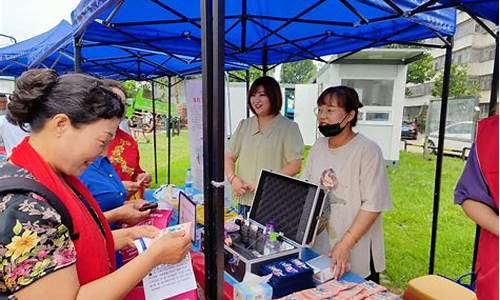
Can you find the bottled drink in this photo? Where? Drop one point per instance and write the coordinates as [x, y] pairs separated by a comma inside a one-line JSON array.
[[188, 185]]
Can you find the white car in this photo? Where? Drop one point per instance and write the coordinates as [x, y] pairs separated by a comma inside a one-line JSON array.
[[458, 138]]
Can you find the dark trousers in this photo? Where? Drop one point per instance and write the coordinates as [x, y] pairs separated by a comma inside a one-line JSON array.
[[374, 276]]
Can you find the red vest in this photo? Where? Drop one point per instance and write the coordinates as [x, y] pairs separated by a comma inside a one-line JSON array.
[[487, 259], [94, 250]]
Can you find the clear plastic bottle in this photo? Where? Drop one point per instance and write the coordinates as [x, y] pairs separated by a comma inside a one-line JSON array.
[[272, 244], [188, 185]]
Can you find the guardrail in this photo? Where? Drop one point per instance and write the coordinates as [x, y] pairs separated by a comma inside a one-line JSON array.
[[462, 153]]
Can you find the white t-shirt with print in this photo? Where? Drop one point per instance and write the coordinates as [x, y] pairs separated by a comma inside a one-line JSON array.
[[11, 134], [359, 179]]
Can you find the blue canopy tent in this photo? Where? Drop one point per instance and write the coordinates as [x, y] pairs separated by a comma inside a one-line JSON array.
[[263, 33], [486, 9], [105, 54], [54, 49], [16, 58]]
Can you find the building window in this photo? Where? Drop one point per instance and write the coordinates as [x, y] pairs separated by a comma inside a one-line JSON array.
[[484, 110], [410, 113], [372, 92], [377, 116]]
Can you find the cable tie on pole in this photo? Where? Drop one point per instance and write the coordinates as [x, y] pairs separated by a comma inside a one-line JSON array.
[[217, 184]]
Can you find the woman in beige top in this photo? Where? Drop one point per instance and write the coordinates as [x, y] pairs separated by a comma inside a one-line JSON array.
[[265, 141], [351, 168]]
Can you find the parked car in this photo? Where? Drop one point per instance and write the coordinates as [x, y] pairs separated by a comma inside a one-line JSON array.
[[458, 138], [409, 131]]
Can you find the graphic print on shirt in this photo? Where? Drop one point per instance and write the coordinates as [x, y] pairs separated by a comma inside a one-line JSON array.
[[117, 158], [330, 183]]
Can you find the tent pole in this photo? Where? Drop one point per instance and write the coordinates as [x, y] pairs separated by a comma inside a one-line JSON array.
[[494, 81], [154, 130], [169, 129], [244, 18], [264, 62], [478, 21], [247, 84], [212, 22], [78, 55], [439, 159]]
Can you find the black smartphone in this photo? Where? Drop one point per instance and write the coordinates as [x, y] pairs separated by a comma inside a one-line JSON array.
[[148, 206]]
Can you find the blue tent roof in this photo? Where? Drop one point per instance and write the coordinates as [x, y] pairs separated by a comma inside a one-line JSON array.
[[486, 9], [287, 30], [112, 59], [116, 60], [15, 59]]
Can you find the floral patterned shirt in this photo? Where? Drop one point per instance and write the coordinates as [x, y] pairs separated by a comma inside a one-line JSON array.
[[33, 241]]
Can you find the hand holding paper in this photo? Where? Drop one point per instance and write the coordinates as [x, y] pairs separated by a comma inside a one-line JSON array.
[[172, 245], [174, 273]]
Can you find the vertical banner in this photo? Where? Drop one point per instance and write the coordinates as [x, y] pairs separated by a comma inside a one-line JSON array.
[[195, 124]]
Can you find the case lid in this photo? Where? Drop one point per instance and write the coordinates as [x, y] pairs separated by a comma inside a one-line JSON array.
[[292, 205]]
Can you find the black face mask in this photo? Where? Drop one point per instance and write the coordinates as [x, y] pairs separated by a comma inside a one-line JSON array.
[[332, 130]]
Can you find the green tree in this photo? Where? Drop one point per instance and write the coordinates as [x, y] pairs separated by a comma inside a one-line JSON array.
[[460, 83], [254, 74], [421, 71], [298, 72], [131, 87]]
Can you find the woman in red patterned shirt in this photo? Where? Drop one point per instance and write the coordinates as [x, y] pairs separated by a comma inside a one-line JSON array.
[[123, 153]]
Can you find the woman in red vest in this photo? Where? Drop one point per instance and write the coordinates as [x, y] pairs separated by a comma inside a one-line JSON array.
[[477, 192], [72, 118]]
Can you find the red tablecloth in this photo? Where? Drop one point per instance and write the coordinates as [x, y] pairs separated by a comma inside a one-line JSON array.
[[199, 272]]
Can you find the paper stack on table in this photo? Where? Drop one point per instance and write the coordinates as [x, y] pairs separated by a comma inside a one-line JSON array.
[[343, 290], [167, 281]]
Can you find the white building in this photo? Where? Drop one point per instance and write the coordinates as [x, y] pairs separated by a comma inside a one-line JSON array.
[[7, 85], [474, 48]]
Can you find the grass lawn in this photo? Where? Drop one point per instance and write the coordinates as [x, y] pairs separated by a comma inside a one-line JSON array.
[[180, 157], [407, 226]]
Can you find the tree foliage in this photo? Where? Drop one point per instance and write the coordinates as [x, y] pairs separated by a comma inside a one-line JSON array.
[[460, 83], [131, 87], [298, 72], [421, 71], [254, 74]]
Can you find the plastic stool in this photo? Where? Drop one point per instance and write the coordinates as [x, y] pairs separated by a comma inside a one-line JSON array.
[[433, 287]]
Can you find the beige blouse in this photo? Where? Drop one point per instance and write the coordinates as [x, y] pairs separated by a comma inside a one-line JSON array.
[[359, 179], [271, 149]]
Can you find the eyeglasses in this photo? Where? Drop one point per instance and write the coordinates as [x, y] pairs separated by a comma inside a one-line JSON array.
[[329, 111]]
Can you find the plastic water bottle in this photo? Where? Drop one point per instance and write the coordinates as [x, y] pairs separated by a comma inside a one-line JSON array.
[[188, 185], [272, 245]]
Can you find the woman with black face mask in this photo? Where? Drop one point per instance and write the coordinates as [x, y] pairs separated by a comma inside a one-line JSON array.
[[352, 170]]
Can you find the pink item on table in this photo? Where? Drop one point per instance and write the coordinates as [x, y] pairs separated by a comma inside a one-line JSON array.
[[349, 294], [334, 287], [369, 288], [158, 218], [383, 296]]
